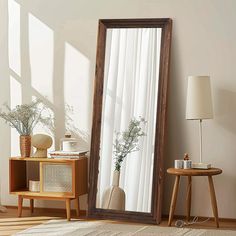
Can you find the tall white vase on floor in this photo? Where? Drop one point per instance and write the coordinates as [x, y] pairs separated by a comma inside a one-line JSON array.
[[114, 196]]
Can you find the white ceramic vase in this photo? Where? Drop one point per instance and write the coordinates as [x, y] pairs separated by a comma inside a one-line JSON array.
[[114, 196], [41, 142]]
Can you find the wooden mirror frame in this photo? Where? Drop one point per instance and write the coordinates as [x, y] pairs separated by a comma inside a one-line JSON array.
[[155, 215]]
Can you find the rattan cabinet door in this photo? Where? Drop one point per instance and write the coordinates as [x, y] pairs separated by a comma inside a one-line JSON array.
[[57, 178]]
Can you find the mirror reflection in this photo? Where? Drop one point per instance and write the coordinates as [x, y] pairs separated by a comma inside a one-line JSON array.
[[128, 126]]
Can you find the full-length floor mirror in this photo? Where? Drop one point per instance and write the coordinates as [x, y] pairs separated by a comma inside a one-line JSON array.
[[126, 166]]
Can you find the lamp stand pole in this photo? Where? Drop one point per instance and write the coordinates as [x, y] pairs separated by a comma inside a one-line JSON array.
[[200, 136]]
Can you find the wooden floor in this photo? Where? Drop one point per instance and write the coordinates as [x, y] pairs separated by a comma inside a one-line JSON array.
[[10, 224]]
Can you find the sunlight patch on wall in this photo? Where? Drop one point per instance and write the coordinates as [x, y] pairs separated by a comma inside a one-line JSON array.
[[16, 94], [41, 57], [77, 84], [14, 36], [16, 98]]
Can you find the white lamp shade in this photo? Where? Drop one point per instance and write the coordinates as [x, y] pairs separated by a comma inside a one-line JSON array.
[[199, 99]]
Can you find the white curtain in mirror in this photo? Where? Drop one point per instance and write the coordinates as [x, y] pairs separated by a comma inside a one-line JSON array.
[[130, 90]]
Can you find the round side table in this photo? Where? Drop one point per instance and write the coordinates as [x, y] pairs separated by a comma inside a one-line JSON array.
[[189, 173]]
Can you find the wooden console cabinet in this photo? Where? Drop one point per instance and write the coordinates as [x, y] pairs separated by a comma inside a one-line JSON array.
[[59, 179]]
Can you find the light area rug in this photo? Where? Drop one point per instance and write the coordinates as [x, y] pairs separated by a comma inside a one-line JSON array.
[[99, 228]]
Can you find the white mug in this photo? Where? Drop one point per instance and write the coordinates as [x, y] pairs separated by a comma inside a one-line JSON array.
[[187, 164], [179, 164]]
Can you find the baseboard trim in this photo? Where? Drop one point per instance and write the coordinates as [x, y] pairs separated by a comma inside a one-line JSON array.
[[84, 213]]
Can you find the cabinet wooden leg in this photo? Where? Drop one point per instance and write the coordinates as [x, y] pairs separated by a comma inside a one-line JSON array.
[[20, 203], [213, 200], [189, 196], [77, 206], [173, 199], [68, 209], [31, 206]]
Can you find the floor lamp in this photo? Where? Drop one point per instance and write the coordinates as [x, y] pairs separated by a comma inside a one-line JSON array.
[[199, 107]]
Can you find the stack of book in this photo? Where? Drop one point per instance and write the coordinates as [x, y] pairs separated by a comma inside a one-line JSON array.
[[70, 155]]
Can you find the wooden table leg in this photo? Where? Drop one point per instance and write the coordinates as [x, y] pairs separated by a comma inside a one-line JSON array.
[[20, 203], [213, 200], [173, 199], [31, 205], [189, 196], [77, 206], [68, 209]]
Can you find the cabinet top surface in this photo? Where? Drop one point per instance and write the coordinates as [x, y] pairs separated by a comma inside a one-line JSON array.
[[194, 172], [46, 159]]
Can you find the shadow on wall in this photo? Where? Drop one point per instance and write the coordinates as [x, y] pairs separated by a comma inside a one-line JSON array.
[[45, 59], [43, 64], [225, 109]]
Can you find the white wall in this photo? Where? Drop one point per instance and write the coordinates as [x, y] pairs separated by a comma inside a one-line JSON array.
[[54, 44]]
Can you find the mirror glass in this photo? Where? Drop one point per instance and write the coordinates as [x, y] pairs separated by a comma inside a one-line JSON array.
[[128, 125]]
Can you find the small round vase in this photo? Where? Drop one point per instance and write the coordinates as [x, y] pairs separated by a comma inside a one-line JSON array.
[[114, 196], [25, 145], [41, 142]]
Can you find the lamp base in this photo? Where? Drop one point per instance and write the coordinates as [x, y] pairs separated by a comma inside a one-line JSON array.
[[201, 166]]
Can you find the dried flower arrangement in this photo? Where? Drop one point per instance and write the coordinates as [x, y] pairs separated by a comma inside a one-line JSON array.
[[25, 117], [127, 141]]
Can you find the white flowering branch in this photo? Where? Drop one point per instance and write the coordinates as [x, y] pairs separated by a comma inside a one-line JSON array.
[[127, 141], [25, 117]]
